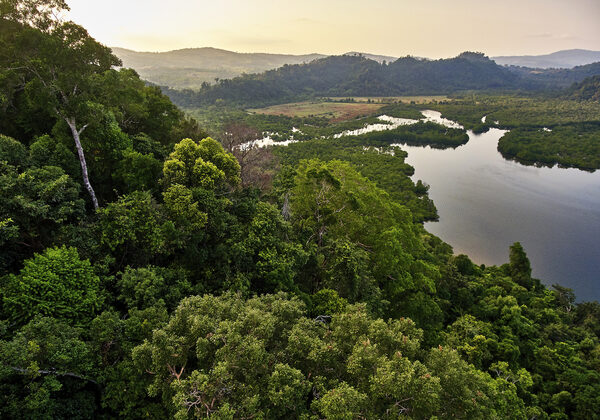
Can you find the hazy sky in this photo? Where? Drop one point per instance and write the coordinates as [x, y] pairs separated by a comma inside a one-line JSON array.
[[429, 28]]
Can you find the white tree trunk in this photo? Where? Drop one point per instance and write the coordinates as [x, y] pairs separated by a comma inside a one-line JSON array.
[[84, 171]]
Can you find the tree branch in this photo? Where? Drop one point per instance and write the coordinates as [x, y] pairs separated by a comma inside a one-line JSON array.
[[57, 373], [82, 129]]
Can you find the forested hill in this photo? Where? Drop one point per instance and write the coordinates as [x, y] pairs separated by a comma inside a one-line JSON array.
[[587, 90], [356, 76], [359, 76], [190, 67], [556, 78]]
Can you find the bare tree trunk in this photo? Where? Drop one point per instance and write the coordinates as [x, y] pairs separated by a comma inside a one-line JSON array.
[[285, 211], [86, 180]]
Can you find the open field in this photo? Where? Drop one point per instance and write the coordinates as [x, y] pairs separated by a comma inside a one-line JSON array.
[[335, 111], [394, 99]]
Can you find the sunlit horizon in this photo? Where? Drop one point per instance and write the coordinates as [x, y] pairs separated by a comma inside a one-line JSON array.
[[434, 29]]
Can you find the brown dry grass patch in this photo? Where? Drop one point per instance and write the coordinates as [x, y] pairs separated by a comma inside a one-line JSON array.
[[334, 111], [420, 99]]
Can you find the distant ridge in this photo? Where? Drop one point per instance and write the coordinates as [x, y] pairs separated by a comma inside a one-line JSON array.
[[190, 67], [348, 75], [354, 75], [374, 57], [560, 59]]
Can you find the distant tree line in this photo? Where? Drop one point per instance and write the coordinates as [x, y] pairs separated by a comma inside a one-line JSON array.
[[347, 76]]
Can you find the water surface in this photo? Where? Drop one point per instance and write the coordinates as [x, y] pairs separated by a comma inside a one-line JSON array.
[[486, 203]]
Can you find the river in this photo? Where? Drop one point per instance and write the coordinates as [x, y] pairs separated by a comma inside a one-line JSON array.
[[486, 203]]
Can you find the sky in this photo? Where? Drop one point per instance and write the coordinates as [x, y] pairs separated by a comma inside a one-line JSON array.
[[425, 28]]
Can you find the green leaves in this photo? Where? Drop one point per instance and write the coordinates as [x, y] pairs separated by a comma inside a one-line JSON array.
[[263, 356], [134, 219], [56, 283], [12, 152], [46, 367], [180, 204], [37, 201], [138, 171], [364, 241], [519, 266], [287, 390], [41, 14], [263, 254], [145, 287], [342, 403], [204, 164]]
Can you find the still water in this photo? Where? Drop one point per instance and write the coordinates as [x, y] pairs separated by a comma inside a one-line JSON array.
[[486, 203]]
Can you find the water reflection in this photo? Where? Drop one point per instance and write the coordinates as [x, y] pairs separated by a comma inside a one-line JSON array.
[[486, 203]]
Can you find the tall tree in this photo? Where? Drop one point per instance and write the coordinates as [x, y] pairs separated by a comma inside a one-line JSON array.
[[519, 266], [59, 59], [256, 163]]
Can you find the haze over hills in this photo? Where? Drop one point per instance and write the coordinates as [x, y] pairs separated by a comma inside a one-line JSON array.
[[359, 76], [558, 59], [189, 68], [556, 77]]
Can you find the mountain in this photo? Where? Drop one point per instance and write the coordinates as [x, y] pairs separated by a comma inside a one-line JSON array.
[[560, 59], [555, 78], [374, 57], [189, 68], [357, 76]]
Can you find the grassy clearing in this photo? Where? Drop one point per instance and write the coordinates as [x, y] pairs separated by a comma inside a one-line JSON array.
[[334, 111], [394, 99]]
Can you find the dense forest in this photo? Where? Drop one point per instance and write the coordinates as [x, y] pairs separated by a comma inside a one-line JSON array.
[[587, 90], [150, 271], [560, 78], [570, 146], [358, 76], [188, 68]]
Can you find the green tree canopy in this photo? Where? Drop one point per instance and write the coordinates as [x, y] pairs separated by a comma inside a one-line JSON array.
[[56, 283], [204, 164], [223, 356]]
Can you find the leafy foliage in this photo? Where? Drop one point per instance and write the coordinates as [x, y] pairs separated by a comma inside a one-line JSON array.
[[46, 372], [218, 355], [56, 283], [570, 146], [353, 76], [587, 90], [203, 287]]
